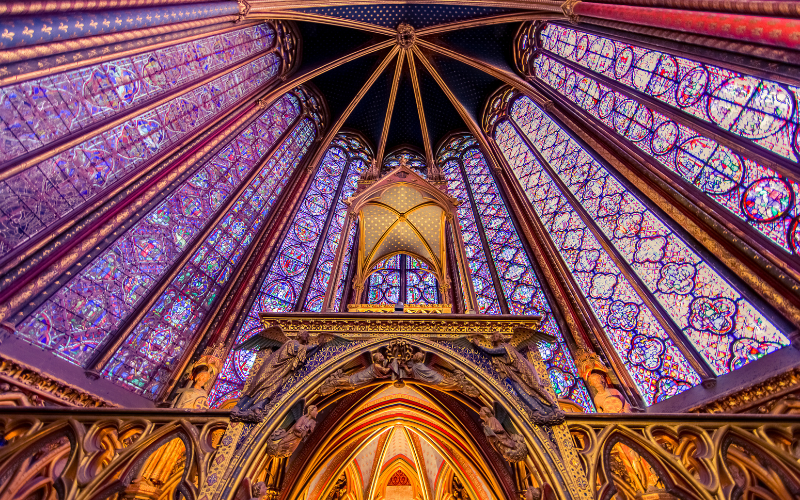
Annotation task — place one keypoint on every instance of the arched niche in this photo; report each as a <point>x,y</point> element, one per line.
<point>403,213</point>
<point>436,421</point>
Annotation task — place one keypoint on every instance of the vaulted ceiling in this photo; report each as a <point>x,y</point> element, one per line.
<point>416,89</point>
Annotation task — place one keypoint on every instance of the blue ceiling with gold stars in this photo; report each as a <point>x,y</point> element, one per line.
<point>323,42</point>
<point>418,16</point>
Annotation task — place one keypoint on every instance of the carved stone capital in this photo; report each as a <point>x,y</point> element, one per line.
<point>568,8</point>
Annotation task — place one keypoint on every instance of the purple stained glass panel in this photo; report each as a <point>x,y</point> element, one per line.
<point>521,287</point>
<point>758,110</point>
<point>148,357</point>
<point>283,282</point>
<point>383,285</point>
<point>657,366</point>
<point>36,198</point>
<point>84,312</point>
<point>724,327</point>
<point>36,113</point>
<point>756,194</point>
<point>358,163</point>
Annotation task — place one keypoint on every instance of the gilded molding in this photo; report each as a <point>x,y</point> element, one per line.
<point>17,8</point>
<point>48,49</point>
<point>755,395</point>
<point>47,387</point>
<point>50,65</point>
<point>367,324</point>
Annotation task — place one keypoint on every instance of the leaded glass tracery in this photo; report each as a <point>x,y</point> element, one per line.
<point>520,286</point>
<point>384,284</point>
<point>726,328</point>
<point>334,181</point>
<point>758,110</point>
<point>414,161</point>
<point>657,366</point>
<point>92,305</point>
<point>147,358</point>
<point>421,284</point>
<point>758,195</point>
<point>41,111</point>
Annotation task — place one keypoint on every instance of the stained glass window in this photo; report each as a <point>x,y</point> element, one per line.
<point>36,113</point>
<point>520,286</point>
<point>334,181</point>
<point>658,368</point>
<point>480,274</point>
<point>414,161</point>
<point>384,282</point>
<point>359,158</point>
<point>92,305</point>
<point>421,284</point>
<point>148,357</point>
<point>754,193</point>
<point>726,329</point>
<point>759,110</point>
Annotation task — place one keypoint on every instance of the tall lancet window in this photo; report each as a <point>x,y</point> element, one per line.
<point>505,282</point>
<point>299,275</point>
<point>649,289</point>
<point>676,111</point>
<point>154,101</point>
<point>213,213</point>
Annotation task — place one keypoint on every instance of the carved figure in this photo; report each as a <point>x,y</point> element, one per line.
<point>195,395</point>
<point>339,489</point>
<point>259,490</point>
<point>283,443</point>
<point>510,446</point>
<point>532,494</point>
<point>607,399</point>
<point>417,369</point>
<point>290,354</point>
<point>512,365</point>
<point>339,380</point>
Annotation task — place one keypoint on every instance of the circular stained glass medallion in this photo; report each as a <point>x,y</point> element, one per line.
<point>664,138</point>
<point>767,199</point>
<point>623,62</point>
<point>691,87</point>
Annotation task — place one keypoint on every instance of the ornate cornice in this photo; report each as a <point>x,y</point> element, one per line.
<point>758,394</point>
<point>372,324</point>
<point>29,379</point>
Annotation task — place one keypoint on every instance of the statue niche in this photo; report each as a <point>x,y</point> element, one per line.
<point>399,361</point>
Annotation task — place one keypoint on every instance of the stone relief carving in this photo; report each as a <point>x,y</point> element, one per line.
<point>510,446</point>
<point>282,443</point>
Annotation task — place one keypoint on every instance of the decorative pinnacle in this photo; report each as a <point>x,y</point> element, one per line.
<point>406,37</point>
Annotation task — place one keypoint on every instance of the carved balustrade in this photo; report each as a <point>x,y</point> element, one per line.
<point>95,454</point>
<point>664,457</point>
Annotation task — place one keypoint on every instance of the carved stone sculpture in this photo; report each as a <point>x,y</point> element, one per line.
<point>195,395</point>
<point>339,490</point>
<point>340,381</point>
<point>532,494</point>
<point>259,491</point>
<point>290,354</point>
<point>282,443</point>
<point>606,398</point>
<point>510,364</point>
<point>510,446</point>
<point>416,369</point>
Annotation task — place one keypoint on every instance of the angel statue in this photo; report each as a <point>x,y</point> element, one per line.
<point>282,443</point>
<point>288,355</point>
<point>521,374</point>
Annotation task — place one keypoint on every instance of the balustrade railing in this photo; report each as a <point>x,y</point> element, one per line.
<point>96,454</point>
